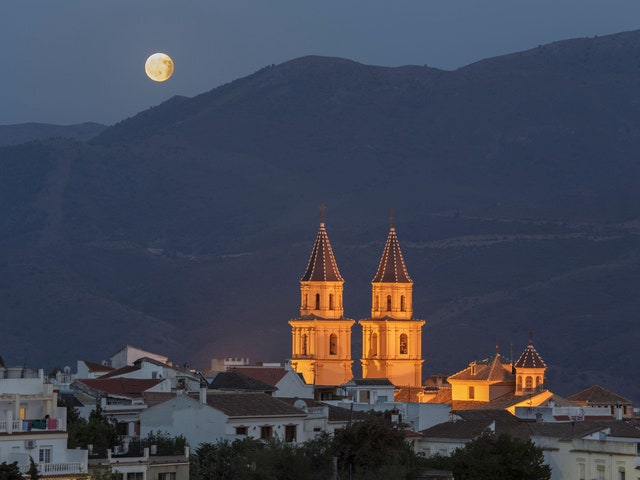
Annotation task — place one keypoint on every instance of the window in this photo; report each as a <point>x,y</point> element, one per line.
<point>377,303</point>
<point>241,431</point>
<point>581,471</point>
<point>167,476</point>
<point>402,306</point>
<point>403,344</point>
<point>266,432</point>
<point>333,344</point>
<point>374,344</point>
<point>621,474</point>
<point>382,399</point>
<point>23,412</point>
<point>519,384</point>
<point>317,301</point>
<point>331,301</point>
<point>306,301</point>
<point>600,472</point>
<point>44,455</point>
<point>304,344</point>
<point>290,433</point>
<point>528,383</point>
<point>135,476</point>
<point>538,381</point>
<point>388,303</point>
<point>472,393</point>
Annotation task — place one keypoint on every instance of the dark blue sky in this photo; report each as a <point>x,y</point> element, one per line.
<point>70,61</point>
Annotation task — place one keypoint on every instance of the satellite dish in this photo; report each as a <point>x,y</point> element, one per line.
<point>300,404</point>
<point>67,369</point>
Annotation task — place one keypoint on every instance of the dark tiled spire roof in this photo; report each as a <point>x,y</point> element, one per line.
<point>392,267</point>
<point>322,264</point>
<point>530,358</point>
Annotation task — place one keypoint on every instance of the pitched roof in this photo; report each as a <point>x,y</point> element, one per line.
<point>392,267</point>
<point>597,395</point>
<point>127,387</point>
<point>120,371</point>
<point>322,265</point>
<point>336,414</point>
<point>266,375</point>
<point>251,405</point>
<point>371,382</point>
<point>97,367</point>
<point>236,381</point>
<point>530,358</point>
<point>490,370</point>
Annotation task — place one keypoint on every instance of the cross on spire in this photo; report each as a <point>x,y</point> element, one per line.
<point>322,210</point>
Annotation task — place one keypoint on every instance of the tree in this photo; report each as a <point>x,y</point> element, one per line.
<point>375,448</point>
<point>99,431</point>
<point>33,471</point>
<point>10,471</point>
<point>491,457</point>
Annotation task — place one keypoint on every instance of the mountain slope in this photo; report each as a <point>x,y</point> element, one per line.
<point>185,229</point>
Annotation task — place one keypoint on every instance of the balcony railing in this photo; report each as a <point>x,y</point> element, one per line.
<point>34,426</point>
<point>47,469</point>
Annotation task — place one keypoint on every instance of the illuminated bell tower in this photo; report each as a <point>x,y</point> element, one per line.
<point>392,338</point>
<point>321,337</point>
<point>529,370</point>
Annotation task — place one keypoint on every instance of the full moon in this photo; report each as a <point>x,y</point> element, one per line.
<point>159,67</point>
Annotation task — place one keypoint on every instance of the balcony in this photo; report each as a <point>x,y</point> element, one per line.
<point>33,426</point>
<point>49,469</point>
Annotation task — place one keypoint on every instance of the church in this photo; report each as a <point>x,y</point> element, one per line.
<point>392,339</point>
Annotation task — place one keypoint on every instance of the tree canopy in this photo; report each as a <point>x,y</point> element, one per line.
<point>495,457</point>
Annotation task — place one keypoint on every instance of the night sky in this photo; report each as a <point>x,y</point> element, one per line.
<point>71,61</point>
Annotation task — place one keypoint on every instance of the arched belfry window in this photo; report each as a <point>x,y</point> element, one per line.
<point>317,301</point>
<point>331,301</point>
<point>519,384</point>
<point>333,344</point>
<point>306,301</point>
<point>402,306</point>
<point>403,344</point>
<point>374,344</point>
<point>388,303</point>
<point>528,383</point>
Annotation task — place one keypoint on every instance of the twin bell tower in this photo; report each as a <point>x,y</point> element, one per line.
<point>391,337</point>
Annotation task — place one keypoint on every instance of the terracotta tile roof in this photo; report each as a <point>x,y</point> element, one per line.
<point>494,370</point>
<point>322,265</point>
<point>597,395</point>
<point>392,267</point>
<point>444,395</point>
<point>408,394</point>
<point>267,375</point>
<point>233,380</point>
<point>251,405</point>
<point>530,358</point>
<point>127,387</point>
<point>154,398</point>
<point>97,367</point>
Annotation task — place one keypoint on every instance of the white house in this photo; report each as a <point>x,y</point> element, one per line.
<point>288,382</point>
<point>216,416</point>
<point>32,425</point>
<point>128,355</point>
